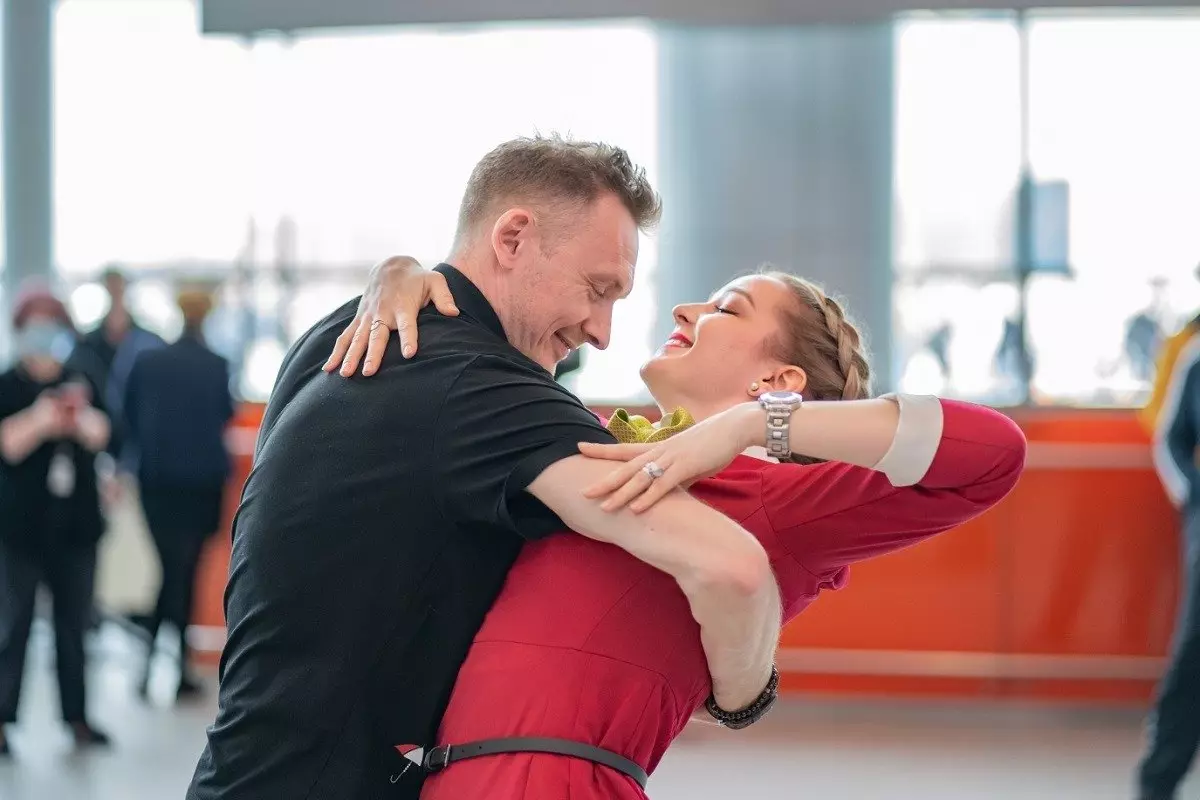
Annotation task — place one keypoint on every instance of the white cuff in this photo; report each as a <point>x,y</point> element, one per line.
<point>918,434</point>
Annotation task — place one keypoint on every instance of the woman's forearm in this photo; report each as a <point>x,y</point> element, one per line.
<point>897,435</point>
<point>858,432</point>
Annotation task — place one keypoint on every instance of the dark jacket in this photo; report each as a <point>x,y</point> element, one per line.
<point>177,404</point>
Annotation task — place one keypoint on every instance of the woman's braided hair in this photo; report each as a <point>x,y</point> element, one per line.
<point>817,336</point>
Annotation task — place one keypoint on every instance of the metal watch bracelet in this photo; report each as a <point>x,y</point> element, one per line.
<point>779,407</point>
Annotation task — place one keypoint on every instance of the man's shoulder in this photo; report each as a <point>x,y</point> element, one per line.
<point>458,344</point>
<point>156,359</point>
<point>196,351</point>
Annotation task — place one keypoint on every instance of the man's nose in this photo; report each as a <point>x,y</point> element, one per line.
<point>598,328</point>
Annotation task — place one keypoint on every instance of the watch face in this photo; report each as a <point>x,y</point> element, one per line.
<point>782,398</point>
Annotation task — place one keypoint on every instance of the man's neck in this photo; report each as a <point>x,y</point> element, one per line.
<point>479,268</point>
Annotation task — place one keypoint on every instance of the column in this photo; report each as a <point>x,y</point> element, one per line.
<point>776,145</point>
<point>28,141</point>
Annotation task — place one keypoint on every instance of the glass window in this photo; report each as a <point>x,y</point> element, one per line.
<point>1115,178</point>
<point>371,140</point>
<point>1112,117</point>
<point>315,156</point>
<point>957,167</point>
<point>955,336</point>
<point>149,144</point>
<point>957,147</point>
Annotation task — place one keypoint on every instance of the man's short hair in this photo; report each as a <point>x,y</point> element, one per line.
<point>556,172</point>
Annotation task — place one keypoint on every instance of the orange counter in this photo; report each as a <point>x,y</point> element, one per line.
<point>1066,590</point>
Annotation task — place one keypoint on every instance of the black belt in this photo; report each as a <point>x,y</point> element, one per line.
<point>439,758</point>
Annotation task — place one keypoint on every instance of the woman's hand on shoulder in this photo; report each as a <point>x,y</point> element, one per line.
<point>397,289</point>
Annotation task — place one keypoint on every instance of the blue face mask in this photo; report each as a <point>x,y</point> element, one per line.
<point>44,339</point>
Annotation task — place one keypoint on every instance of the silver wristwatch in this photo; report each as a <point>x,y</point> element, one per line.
<point>779,407</point>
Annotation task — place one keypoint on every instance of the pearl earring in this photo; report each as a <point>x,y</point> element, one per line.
<point>754,387</point>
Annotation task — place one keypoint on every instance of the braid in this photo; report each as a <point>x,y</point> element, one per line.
<point>818,337</point>
<point>851,363</point>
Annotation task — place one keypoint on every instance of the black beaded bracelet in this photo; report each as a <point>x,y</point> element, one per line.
<point>736,720</point>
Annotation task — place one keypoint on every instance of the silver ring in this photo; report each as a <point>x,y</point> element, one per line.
<point>377,323</point>
<point>653,470</point>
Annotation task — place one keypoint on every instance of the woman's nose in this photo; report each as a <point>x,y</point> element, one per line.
<point>685,314</point>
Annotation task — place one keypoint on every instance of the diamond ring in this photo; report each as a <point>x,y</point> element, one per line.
<point>653,470</point>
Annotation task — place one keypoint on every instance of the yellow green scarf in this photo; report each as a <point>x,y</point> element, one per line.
<point>634,429</point>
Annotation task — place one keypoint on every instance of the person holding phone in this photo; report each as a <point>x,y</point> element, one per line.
<point>51,428</point>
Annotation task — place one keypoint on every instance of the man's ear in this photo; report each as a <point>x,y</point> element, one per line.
<point>513,236</point>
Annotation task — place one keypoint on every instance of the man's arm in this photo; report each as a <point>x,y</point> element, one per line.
<point>505,452</point>
<point>723,571</point>
<point>1181,435</point>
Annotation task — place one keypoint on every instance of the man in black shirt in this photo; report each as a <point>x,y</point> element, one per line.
<point>382,516</point>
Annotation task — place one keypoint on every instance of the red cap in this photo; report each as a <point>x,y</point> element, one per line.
<point>39,300</point>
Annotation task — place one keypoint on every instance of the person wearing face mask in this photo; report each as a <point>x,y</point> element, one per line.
<point>50,431</point>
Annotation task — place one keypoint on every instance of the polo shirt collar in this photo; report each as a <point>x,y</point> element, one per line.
<point>470,300</point>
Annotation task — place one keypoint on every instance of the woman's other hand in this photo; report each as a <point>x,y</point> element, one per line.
<point>698,452</point>
<point>397,290</point>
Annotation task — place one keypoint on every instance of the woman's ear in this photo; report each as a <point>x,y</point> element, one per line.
<point>787,379</point>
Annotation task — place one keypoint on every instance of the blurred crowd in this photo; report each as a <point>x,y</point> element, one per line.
<point>83,415</point>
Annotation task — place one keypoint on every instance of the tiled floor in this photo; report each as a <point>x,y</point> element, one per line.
<point>815,749</point>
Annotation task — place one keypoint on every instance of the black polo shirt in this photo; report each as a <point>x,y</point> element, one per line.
<point>375,532</point>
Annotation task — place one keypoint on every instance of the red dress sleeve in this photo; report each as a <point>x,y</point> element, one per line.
<point>831,515</point>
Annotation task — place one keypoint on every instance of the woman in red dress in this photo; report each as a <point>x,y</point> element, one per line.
<point>588,644</point>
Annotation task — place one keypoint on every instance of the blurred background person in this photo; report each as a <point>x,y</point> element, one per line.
<point>50,432</point>
<point>1174,729</point>
<point>106,354</point>
<point>177,405</point>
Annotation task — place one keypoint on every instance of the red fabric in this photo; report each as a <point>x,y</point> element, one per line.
<point>587,643</point>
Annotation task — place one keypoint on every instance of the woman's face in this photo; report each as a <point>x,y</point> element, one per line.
<point>718,348</point>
